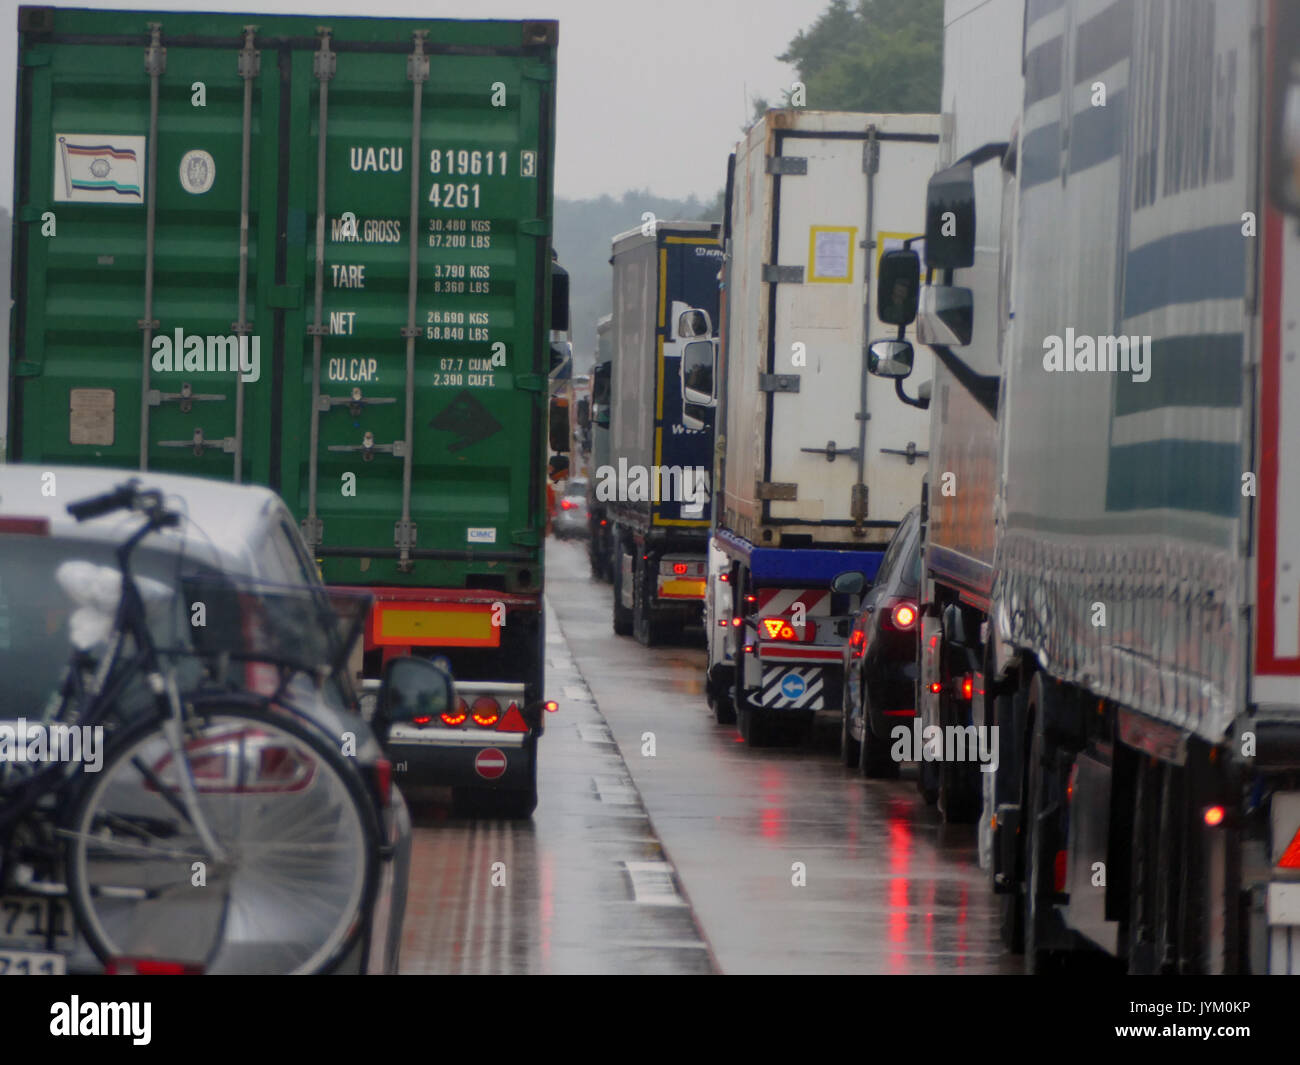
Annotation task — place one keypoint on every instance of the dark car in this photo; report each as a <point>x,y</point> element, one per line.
<point>880,656</point>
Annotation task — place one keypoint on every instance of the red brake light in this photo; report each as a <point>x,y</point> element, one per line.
<point>424,719</point>
<point>486,712</point>
<point>737,621</point>
<point>935,687</point>
<point>1214,817</point>
<point>604,521</point>
<point>552,706</point>
<point>126,966</point>
<point>1060,869</point>
<point>680,568</point>
<point>724,577</point>
<point>781,629</point>
<point>967,686</point>
<point>456,718</point>
<point>858,638</point>
<point>567,504</point>
<point>25,526</point>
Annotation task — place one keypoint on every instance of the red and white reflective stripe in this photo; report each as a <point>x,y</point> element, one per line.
<point>772,601</point>
<point>808,652</point>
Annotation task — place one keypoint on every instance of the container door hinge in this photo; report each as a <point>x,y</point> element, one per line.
<point>871,153</point>
<point>858,503</point>
<point>777,490</point>
<point>911,452</point>
<point>778,382</point>
<point>404,534</point>
<point>787,165</point>
<point>782,275</point>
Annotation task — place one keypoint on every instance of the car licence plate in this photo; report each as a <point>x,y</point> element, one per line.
<point>36,923</point>
<point>31,963</point>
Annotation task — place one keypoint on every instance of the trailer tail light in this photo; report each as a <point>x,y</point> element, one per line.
<point>603,521</point>
<point>486,711</point>
<point>967,686</point>
<point>1214,818</point>
<point>737,621</point>
<point>781,629</point>
<point>680,568</point>
<point>857,642</point>
<point>456,718</point>
<point>1059,869</point>
<point>512,720</point>
<point>724,577</point>
<point>935,687</point>
<point>750,600</point>
<point>551,706</point>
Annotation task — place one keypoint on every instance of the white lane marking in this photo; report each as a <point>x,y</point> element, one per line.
<point>652,884</point>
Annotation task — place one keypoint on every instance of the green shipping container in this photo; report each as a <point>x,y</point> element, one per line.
<point>312,253</point>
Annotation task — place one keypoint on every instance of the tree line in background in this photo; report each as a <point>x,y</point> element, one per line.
<point>868,55</point>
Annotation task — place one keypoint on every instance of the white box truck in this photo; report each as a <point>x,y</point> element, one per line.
<point>818,462</point>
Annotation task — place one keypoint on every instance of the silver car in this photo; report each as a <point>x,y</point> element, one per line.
<point>570,519</point>
<point>241,532</point>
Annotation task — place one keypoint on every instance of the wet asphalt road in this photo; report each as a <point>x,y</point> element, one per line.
<point>663,844</point>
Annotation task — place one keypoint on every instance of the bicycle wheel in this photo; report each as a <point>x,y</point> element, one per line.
<point>299,831</point>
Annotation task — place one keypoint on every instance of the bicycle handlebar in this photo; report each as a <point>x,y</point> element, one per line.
<point>119,499</point>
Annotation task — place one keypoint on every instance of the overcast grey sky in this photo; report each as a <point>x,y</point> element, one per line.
<point>651,94</point>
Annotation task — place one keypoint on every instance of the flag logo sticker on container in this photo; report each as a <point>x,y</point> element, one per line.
<point>98,168</point>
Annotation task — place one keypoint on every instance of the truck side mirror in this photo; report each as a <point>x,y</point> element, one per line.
<point>414,691</point>
<point>1284,111</point>
<point>898,286</point>
<point>851,582</point>
<point>694,323</point>
<point>950,218</point>
<point>559,426</point>
<point>890,358</point>
<point>559,298</point>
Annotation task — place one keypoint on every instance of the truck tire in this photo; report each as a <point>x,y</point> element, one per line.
<point>645,630</point>
<point>622,615</point>
<point>755,722</point>
<point>718,688</point>
<point>959,798</point>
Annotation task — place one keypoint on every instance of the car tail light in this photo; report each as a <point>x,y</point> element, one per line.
<point>456,718</point>
<point>25,526</point>
<point>126,966</point>
<point>486,711</point>
<point>512,720</point>
<point>899,615</point>
<point>245,761</point>
<point>567,504</point>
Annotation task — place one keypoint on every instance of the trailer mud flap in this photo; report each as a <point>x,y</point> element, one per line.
<point>793,688</point>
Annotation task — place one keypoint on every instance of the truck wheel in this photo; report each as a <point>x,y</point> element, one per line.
<point>1143,952</point>
<point>643,627</point>
<point>622,615</point>
<point>958,801</point>
<point>719,696</point>
<point>755,725</point>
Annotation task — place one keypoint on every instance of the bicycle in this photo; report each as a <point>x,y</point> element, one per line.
<point>223,829</point>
